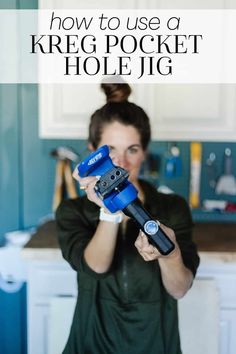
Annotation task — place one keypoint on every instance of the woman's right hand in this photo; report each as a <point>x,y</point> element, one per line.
<point>88,184</point>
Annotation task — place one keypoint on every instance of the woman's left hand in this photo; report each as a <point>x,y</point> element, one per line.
<point>148,251</point>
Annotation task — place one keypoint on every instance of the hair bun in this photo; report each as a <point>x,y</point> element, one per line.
<point>116,92</point>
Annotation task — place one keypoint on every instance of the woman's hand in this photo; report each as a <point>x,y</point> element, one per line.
<point>88,184</point>
<point>148,251</point>
<point>176,278</point>
<point>99,252</point>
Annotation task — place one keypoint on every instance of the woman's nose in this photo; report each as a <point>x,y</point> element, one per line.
<point>120,160</point>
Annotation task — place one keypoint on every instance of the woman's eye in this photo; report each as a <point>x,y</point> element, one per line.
<point>133,150</point>
<point>111,149</point>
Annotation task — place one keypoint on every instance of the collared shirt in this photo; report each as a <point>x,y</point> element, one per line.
<point>127,309</point>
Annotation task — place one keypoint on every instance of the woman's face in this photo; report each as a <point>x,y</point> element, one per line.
<point>125,147</point>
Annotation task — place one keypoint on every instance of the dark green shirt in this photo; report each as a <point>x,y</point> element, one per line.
<point>126,310</point>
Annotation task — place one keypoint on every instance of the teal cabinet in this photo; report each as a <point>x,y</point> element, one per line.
<point>10,151</point>
<point>13,333</point>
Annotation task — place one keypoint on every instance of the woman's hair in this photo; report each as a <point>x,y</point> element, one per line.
<point>119,109</point>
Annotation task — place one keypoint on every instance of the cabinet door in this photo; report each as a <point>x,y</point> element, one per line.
<point>227,329</point>
<point>223,272</point>
<point>51,325</point>
<point>193,112</point>
<point>199,318</point>
<point>61,312</point>
<point>47,280</point>
<point>177,112</point>
<point>38,328</point>
<point>64,110</point>
<point>188,112</point>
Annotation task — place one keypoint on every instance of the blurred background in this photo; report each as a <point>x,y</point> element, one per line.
<point>192,153</point>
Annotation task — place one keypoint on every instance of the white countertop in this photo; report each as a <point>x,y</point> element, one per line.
<point>223,257</point>
<point>47,254</point>
<point>54,254</point>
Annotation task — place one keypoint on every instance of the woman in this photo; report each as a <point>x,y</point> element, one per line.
<point>127,289</point>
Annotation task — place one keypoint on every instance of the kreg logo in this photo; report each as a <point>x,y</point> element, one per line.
<point>95,159</point>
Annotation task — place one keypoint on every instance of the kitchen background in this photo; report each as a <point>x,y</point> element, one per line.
<point>28,169</point>
<point>27,177</point>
